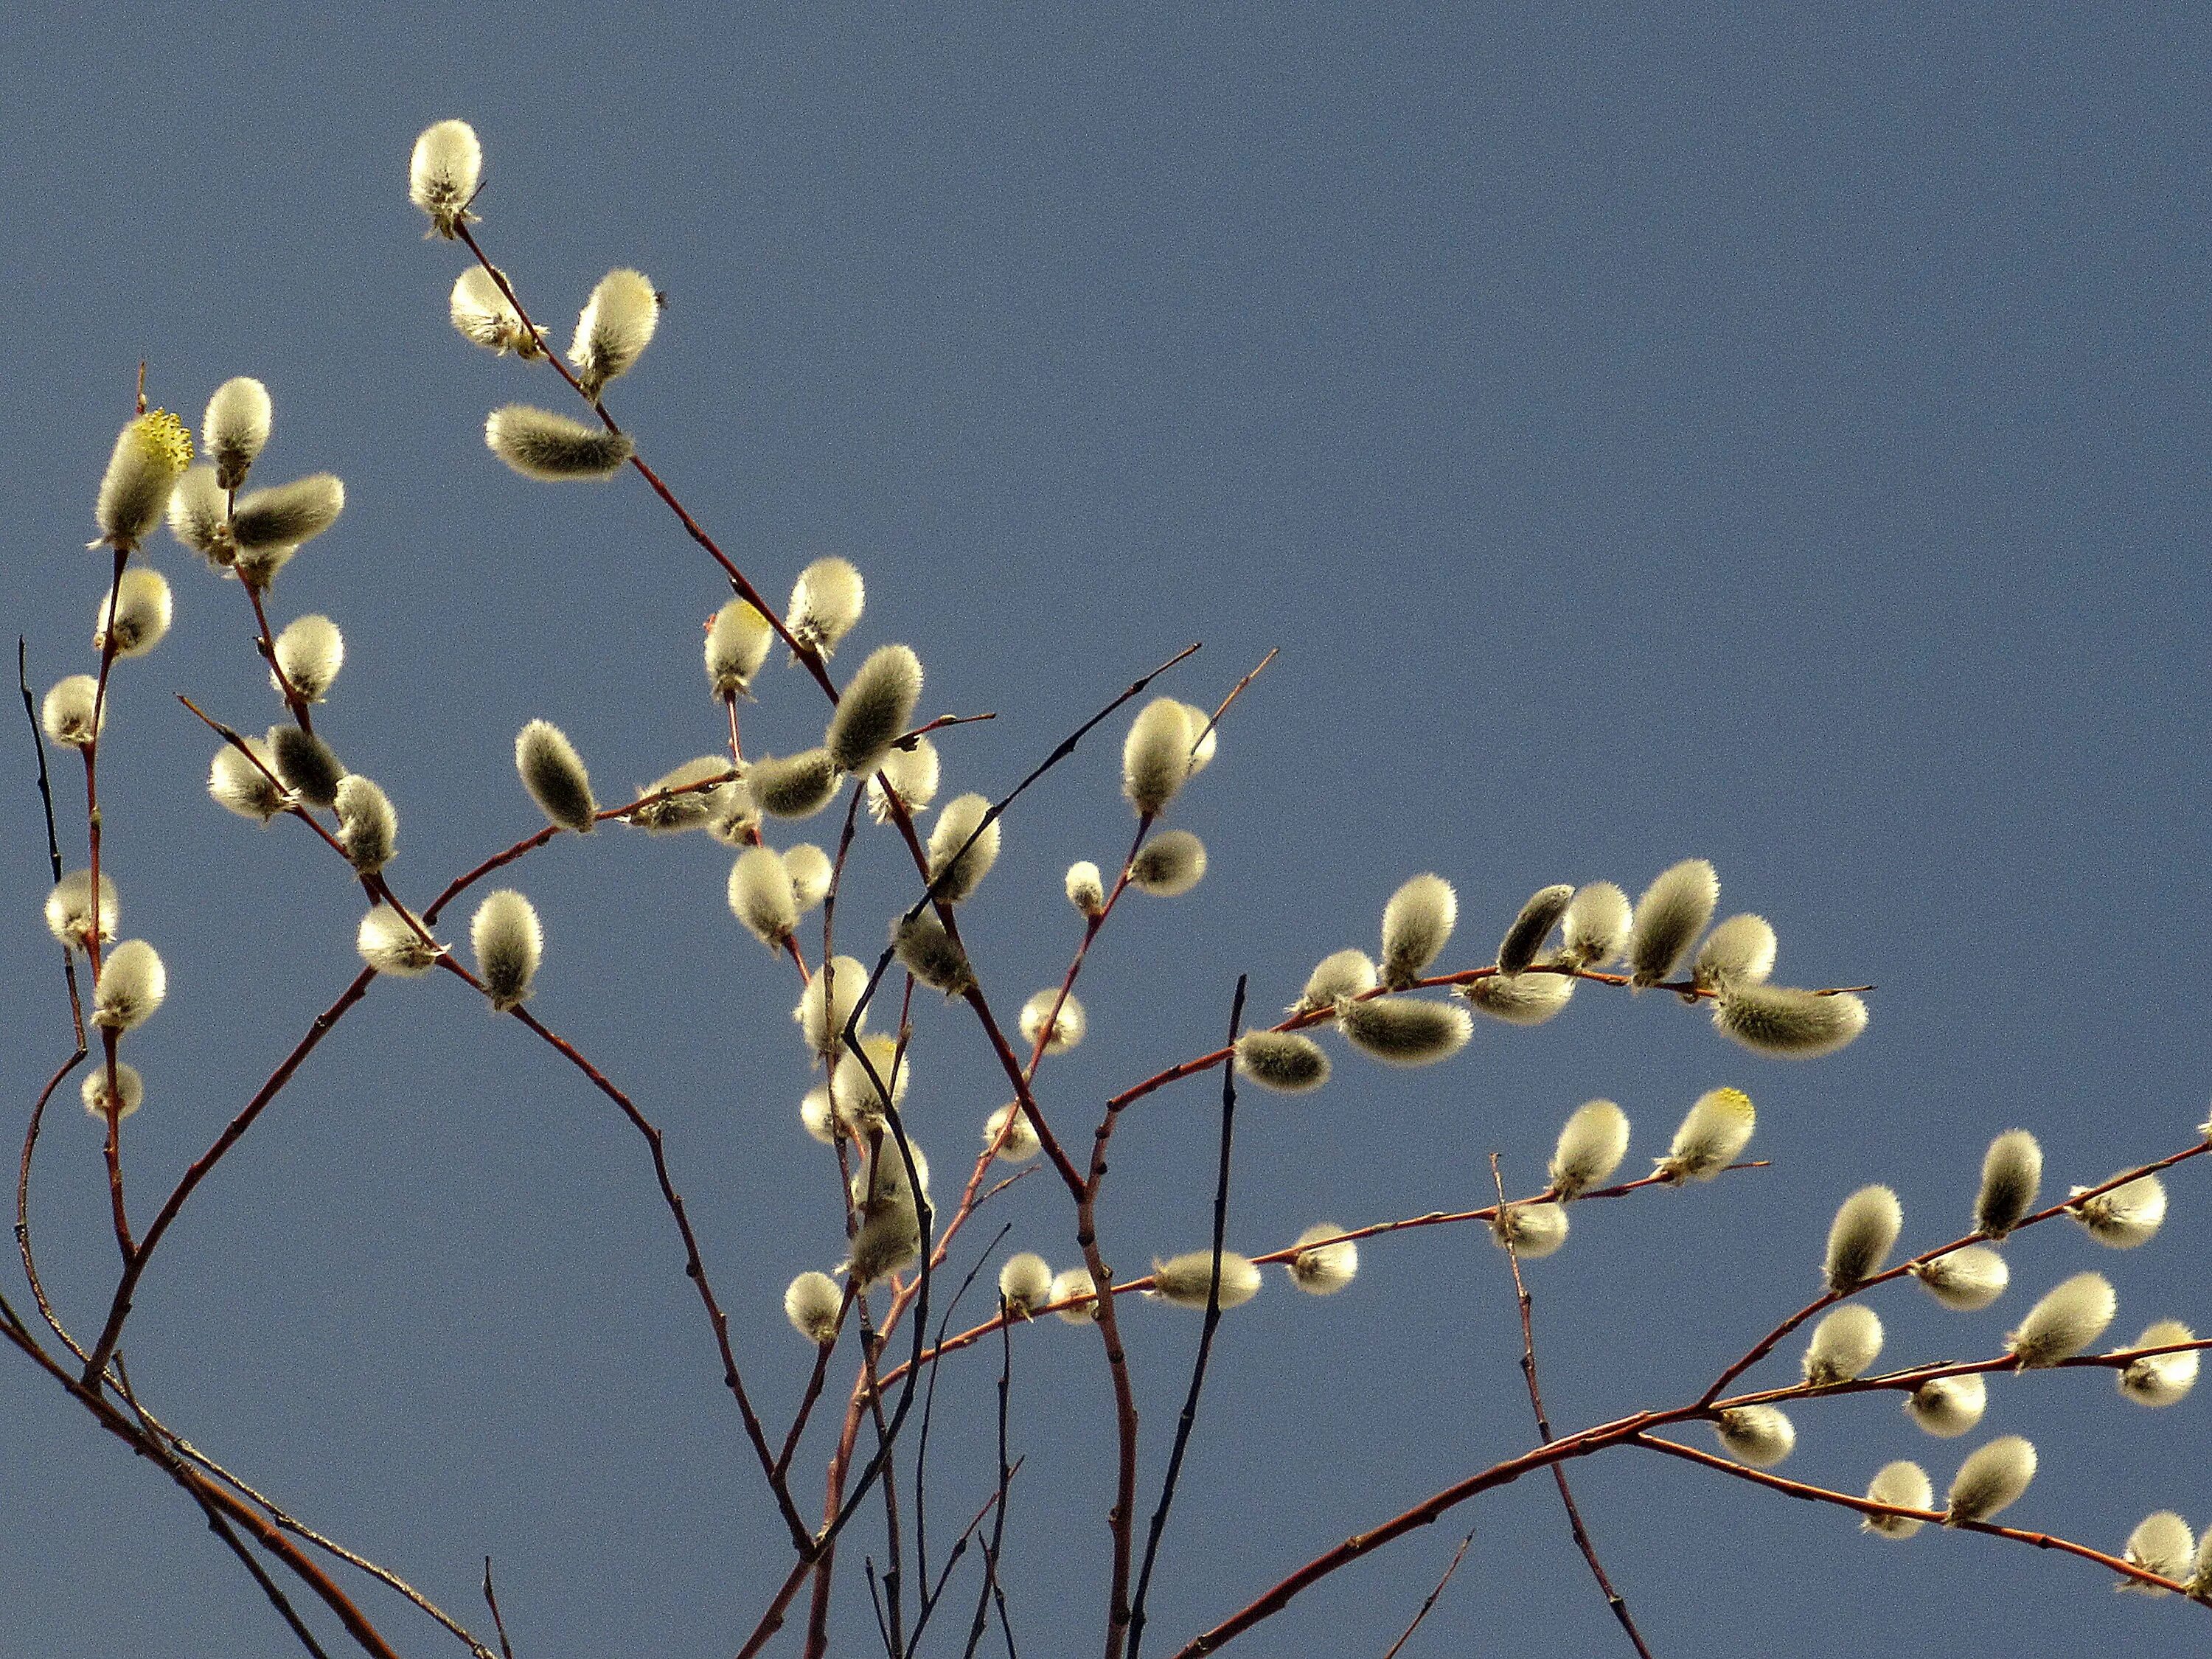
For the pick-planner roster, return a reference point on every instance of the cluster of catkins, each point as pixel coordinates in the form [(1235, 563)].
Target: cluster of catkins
[(2067, 1321)]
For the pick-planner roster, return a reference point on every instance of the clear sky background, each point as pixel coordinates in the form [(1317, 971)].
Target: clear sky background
[(1770, 434)]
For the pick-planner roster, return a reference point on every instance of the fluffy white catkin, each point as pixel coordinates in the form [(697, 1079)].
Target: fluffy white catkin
[(615, 328), (551, 448), (1404, 1030), (1904, 1485), (443, 174), (1592, 1143), (762, 897), (1668, 918), (554, 774), (1287, 1061), (1844, 1345), (132, 984), (236, 428), (955, 873), (1532, 927), (877, 707), (1947, 1407), (1186, 1280), (1992, 1478), (1417, 924), (1717, 1129), (1964, 1279), (309, 654), (288, 515), (368, 826), (2012, 1175), (1594, 925), (2072, 1315), (1156, 756), (509, 942), (1859, 1239), (1786, 1022), (1168, 865), (826, 603)]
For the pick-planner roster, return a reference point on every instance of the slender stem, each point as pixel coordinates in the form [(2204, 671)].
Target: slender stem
[(1430, 1601), (993, 1550), (498, 1619)]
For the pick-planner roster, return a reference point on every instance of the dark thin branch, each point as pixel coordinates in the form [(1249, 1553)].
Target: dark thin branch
[(993, 1551), (921, 1443), (1430, 1601), (498, 1621)]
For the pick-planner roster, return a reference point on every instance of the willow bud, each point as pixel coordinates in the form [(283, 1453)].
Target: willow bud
[(1668, 918), (2162, 1379), (132, 984), (69, 909), (1169, 865), (1787, 1023), (955, 873), (1531, 1231), (443, 174), (913, 774), (74, 714), (828, 1003), (509, 943), (1086, 888), (1008, 1131), (309, 654), (737, 641), (1596, 925), (2125, 1217), (1417, 923), (674, 802), (614, 329), (1740, 952), (245, 786), (1708, 1139), (1286, 1061), (1156, 758), (368, 828), (308, 766), (1404, 1031), (1519, 998), (2162, 1544), (793, 786), (1845, 1345), (388, 943), (932, 955), (129, 1092), (2072, 1315), (1964, 1279), (811, 873), (2012, 1174), (877, 707), (812, 1303), (1591, 1146), (826, 603), (199, 516), (1532, 927), (483, 316), (236, 428), (1343, 974), (1187, 1281), (548, 447), (1025, 1283), (1758, 1434), (142, 606), (1058, 1031), (1993, 1478), (1902, 1486), (762, 896), (1325, 1262), (151, 453), (286, 515), (1860, 1238), (1947, 1407), (1075, 1287), (554, 774)]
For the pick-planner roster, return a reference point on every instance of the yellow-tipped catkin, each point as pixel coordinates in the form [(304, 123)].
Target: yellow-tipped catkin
[(762, 897), (1708, 1139), (2162, 1544), (286, 515), (932, 955), (1060, 1032), (554, 774), (142, 606), (1075, 1287), (682, 804), (810, 872), (792, 785), (1155, 757), (1532, 1231), (1417, 923), (1404, 1030), (811, 1302), (1592, 1143), (309, 767), (1947, 1407), (1325, 1263), (1186, 1280), (2072, 1315), (1668, 918), (132, 984), (1594, 925), (1740, 952), (1904, 1485), (1009, 1130), (1844, 1346), (443, 174), (69, 909), (912, 773), (199, 516), (1519, 998), (309, 654), (74, 712), (1532, 927), (737, 641), (1338, 976), (828, 1002), (2125, 1217), (1169, 865), (1025, 1283), (1758, 1434), (368, 826), (955, 873), (878, 706), (826, 604), (509, 942), (1287, 1061), (1993, 1478), (130, 1090), (614, 329), (241, 787), (2012, 1175), (1788, 1024), (483, 316), (1086, 888), (1866, 1226), (551, 448), (389, 944), (2162, 1379), (151, 453), (236, 428), (1964, 1279)]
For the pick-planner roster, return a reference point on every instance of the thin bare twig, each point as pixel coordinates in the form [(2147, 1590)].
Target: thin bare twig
[(1430, 1601), (992, 1551), (499, 1622)]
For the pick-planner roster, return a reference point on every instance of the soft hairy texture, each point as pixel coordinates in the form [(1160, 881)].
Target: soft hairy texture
[(151, 453), (539, 444), (932, 956), (739, 639), (877, 707), (198, 513), (2125, 1217), (1188, 1280), (240, 786), (1025, 1282), (1758, 1434), (1788, 1024), (1066, 1028), (1075, 1287), (1717, 1129), (1992, 1478), (388, 944), (1417, 924), (810, 872), (554, 774), (68, 717), (1947, 1407), (1288, 1061), (1531, 1231), (1866, 1226), (1596, 925), (68, 908), (1740, 952), (1966, 1280), (1169, 865), (483, 316), (368, 826), (2072, 1315), (236, 428), (132, 984), (693, 808), (1009, 1130), (1404, 1031), (1086, 888), (2162, 1379), (1339, 974), (1592, 1143), (309, 654), (811, 1302), (828, 1002), (1325, 1263), (1532, 927), (2012, 1175), (912, 773), (287, 514), (792, 785), (1902, 1486), (1668, 918), (615, 328), (1156, 755), (762, 897), (1520, 999), (444, 172), (1844, 1345), (142, 606), (2161, 1543), (308, 766), (509, 942), (129, 1091), (955, 873), (826, 603)]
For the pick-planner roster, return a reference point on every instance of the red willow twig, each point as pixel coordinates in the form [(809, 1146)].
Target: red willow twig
[(1430, 1601)]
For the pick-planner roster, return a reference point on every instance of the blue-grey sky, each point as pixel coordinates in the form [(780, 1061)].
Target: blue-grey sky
[(1769, 434)]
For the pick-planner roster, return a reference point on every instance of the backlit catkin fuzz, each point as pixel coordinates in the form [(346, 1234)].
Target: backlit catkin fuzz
[(828, 1002), (737, 641), (1059, 1031), (1532, 927), (932, 955), (792, 785), (308, 766), (1025, 1283), (1592, 1143), (388, 943), (132, 984), (1186, 1280), (1155, 757), (285, 515), (69, 909), (810, 871), (1785, 1022), (74, 712), (245, 786), (151, 453), (443, 174), (1289, 1062), (2162, 1544), (1169, 865), (199, 516), (675, 802), (2162, 1379), (1844, 1346), (1964, 1279), (1325, 1263), (1947, 1407), (554, 774), (615, 327), (1758, 1434), (129, 1095), (1668, 918), (878, 706), (1009, 1131), (551, 448), (1519, 998), (1596, 925), (2072, 1315), (913, 774), (2012, 1175), (236, 428), (1531, 1231), (811, 1302), (1086, 888), (962, 848), (1740, 952), (1075, 1287), (142, 606), (1993, 1478), (509, 942), (368, 826), (1404, 1030), (1708, 1138), (1902, 1486), (762, 897), (309, 654), (1859, 1239), (483, 316), (2129, 1214), (1417, 924), (1336, 976), (826, 601)]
